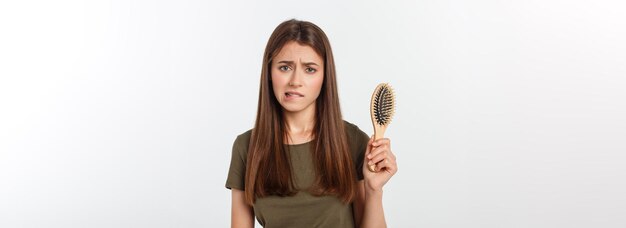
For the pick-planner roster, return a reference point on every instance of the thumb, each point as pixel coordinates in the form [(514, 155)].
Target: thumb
[(368, 148)]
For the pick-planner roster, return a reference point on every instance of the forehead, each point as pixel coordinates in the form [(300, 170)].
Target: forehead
[(293, 51)]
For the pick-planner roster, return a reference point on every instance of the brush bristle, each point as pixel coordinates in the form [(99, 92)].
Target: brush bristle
[(383, 104)]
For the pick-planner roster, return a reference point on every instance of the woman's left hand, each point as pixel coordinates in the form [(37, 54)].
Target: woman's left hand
[(379, 153)]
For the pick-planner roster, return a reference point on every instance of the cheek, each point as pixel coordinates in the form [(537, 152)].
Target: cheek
[(276, 74), (275, 79), (317, 83), (275, 82)]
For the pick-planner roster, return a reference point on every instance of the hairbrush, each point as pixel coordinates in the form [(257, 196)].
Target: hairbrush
[(382, 108)]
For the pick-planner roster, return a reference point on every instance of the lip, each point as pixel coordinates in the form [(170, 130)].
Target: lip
[(294, 93)]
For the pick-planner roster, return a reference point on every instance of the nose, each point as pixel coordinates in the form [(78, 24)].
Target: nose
[(295, 80)]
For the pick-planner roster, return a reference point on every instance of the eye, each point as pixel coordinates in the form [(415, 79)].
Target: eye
[(283, 68), (310, 70)]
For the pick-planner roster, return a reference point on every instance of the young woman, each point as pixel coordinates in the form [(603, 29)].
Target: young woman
[(302, 164)]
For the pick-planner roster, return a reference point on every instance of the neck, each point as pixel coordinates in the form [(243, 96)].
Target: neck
[(300, 125)]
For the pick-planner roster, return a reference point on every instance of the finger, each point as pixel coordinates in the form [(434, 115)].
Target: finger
[(381, 141), (391, 155), (379, 157), (377, 150), (387, 165), (369, 147), (368, 150)]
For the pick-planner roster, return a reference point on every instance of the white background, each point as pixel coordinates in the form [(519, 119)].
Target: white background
[(123, 113)]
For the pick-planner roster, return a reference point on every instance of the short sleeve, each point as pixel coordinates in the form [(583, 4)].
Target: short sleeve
[(237, 170), (358, 143)]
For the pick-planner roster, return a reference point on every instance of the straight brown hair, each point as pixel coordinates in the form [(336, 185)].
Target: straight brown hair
[(268, 168)]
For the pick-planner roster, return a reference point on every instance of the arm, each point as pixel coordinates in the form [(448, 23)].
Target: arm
[(369, 202), (373, 214), (368, 208), (242, 215)]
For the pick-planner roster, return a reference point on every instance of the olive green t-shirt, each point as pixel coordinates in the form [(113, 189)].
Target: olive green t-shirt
[(302, 209)]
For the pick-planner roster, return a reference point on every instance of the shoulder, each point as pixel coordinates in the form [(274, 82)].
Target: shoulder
[(353, 131), (244, 137), (242, 143), (349, 126), (357, 139)]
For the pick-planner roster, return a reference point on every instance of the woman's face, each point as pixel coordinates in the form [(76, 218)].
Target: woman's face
[(297, 75)]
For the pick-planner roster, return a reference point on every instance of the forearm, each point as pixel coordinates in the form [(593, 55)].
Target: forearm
[(373, 214)]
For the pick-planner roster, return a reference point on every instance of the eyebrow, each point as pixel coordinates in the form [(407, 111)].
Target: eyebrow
[(291, 63)]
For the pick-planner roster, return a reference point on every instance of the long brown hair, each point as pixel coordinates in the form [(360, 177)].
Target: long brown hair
[(268, 169)]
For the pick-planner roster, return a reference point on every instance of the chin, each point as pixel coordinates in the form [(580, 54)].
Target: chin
[(295, 107), (292, 109)]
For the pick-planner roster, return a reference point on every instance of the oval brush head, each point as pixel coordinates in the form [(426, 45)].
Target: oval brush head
[(382, 109), (383, 104)]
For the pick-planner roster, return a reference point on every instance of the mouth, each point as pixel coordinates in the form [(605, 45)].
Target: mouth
[(293, 94)]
